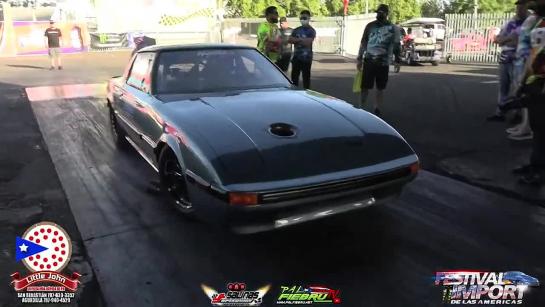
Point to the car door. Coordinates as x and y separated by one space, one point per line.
145 117
136 101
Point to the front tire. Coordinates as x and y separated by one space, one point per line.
173 182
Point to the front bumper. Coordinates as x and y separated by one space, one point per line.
289 212
267 217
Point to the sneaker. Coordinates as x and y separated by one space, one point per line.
513 130
60 67
496 118
521 137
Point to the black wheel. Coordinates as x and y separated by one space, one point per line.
173 182
118 134
435 63
449 59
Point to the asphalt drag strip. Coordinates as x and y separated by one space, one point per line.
145 254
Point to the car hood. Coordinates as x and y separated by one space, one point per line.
273 135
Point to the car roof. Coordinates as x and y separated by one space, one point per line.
160 48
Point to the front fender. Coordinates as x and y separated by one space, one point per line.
191 159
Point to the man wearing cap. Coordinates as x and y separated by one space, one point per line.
53 37
379 42
508 40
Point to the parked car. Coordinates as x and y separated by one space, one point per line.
236 144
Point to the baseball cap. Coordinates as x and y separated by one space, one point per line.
521 1
383 8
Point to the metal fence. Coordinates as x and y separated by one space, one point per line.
470 38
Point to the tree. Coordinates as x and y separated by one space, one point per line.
483 6
433 8
399 9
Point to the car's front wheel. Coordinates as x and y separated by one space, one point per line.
173 182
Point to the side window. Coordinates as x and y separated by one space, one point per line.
139 76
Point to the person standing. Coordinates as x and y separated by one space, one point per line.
379 42
303 38
53 37
533 93
286 48
268 35
522 131
508 40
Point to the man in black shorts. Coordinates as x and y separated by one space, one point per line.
53 37
379 42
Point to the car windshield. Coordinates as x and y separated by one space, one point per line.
213 70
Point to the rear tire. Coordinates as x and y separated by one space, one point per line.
174 183
435 63
118 134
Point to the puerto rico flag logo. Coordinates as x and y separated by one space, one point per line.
45 250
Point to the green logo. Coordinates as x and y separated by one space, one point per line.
291 295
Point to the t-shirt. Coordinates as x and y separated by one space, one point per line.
303 53
53 37
268 40
537 53
513 26
379 42
524 43
286 48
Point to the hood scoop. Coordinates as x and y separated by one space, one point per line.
282 130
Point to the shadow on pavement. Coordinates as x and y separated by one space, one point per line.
27 66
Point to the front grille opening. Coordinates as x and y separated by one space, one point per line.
335 187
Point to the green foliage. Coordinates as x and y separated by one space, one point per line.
484 6
399 9
433 8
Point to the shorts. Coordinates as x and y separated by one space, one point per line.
374 72
54 52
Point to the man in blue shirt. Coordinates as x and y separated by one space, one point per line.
302 38
379 42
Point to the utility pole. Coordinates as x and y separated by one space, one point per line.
366 6
475 7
